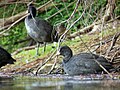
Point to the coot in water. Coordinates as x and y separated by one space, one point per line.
82 63
5 58
39 29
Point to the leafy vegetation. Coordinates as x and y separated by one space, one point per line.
18 32
94 11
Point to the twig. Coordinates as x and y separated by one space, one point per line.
59 11
88 28
114 39
28 66
82 31
1 33
56 8
18 2
103 42
114 55
45 62
62 36
77 4
5 27
53 65
23 40
95 59
23 15
67 11
21 49
98 44
95 48
44 5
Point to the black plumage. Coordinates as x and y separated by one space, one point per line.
39 29
5 58
82 63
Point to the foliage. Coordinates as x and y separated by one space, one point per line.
18 32
117 10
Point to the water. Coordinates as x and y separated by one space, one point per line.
50 83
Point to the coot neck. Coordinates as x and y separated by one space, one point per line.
32 11
30 16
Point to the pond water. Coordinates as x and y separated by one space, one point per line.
50 83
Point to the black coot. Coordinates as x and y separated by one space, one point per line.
39 29
82 63
5 58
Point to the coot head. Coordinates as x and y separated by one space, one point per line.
32 10
66 52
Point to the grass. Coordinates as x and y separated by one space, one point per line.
76 45
18 33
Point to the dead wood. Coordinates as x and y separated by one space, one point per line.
2 33
22 41
28 66
21 49
82 31
108 15
114 56
95 59
53 66
10 20
89 29
102 42
60 10
13 19
109 10
9 2
48 59
114 39
29 47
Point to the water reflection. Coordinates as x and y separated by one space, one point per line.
24 83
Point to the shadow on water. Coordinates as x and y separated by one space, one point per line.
49 83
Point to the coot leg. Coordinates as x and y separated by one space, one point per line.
44 47
37 49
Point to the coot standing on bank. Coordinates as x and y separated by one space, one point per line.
5 58
82 63
38 29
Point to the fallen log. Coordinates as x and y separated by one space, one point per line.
9 21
